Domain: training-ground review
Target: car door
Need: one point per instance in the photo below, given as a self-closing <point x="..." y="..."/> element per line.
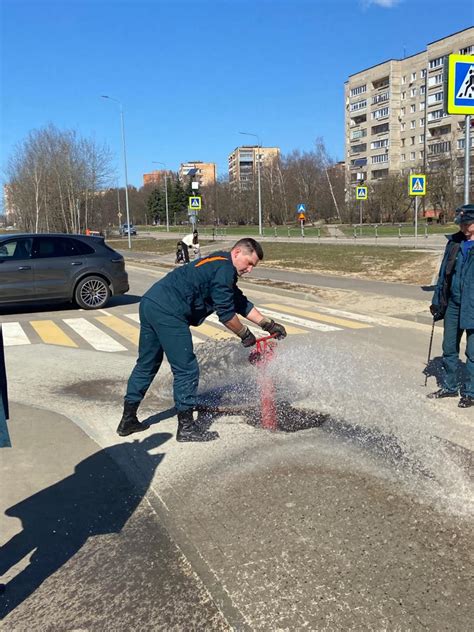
<point x="16" y="270"/>
<point x="55" y="267"/>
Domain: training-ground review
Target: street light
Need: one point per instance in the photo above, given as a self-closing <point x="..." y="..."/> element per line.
<point x="104" y="96"/>
<point x="260" y="230"/>
<point x="156" y="162"/>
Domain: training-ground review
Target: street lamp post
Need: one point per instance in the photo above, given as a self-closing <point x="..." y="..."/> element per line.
<point x="104" y="96"/>
<point x="260" y="229"/>
<point x="156" y="162"/>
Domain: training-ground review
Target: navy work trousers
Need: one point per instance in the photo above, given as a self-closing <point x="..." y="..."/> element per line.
<point x="451" y="346"/>
<point x="161" y="333"/>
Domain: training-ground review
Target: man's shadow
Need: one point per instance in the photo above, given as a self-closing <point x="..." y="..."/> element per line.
<point x="434" y="368"/>
<point x="57" y="521"/>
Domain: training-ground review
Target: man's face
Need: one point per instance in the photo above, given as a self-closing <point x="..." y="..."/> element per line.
<point x="244" y="261"/>
<point x="468" y="230"/>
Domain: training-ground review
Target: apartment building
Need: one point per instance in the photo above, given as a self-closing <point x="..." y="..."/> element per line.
<point x="243" y="164"/>
<point x="157" y="177"/>
<point x="202" y="172"/>
<point x="395" y="120"/>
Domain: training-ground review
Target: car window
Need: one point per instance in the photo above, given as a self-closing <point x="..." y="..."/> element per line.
<point x="16" y="248"/>
<point x="81" y="247"/>
<point x="45" y="247"/>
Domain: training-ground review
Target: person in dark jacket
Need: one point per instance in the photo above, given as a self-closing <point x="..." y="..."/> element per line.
<point x="454" y="301"/>
<point x="185" y="297"/>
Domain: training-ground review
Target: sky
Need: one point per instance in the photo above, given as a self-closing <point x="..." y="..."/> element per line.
<point x="192" y="74"/>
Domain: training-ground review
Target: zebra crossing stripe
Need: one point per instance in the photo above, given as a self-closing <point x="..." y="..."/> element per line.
<point x="303" y="322"/>
<point x="255" y="329"/>
<point x="14" y="335"/>
<point x="93" y="335"/>
<point x="124" y="329"/>
<point x="136" y="318"/>
<point x="52" y="334"/>
<point x="213" y="332"/>
<point x="343" y="322"/>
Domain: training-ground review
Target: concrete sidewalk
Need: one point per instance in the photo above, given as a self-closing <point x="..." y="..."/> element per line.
<point x="101" y="559"/>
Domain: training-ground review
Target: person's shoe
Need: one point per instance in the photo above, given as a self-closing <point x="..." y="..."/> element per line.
<point x="466" y="401"/>
<point x="129" y="422"/>
<point x="189" y="430"/>
<point x="442" y="392"/>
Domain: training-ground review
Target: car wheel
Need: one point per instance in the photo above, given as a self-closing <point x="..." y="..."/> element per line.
<point x="92" y="292"/>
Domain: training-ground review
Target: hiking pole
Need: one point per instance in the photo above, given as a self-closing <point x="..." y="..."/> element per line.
<point x="429" y="351"/>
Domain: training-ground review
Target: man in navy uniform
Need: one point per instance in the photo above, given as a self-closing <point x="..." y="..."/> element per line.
<point x="185" y="297"/>
<point x="454" y="301"/>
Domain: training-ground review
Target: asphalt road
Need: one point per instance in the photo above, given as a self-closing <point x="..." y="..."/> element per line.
<point x="361" y="521"/>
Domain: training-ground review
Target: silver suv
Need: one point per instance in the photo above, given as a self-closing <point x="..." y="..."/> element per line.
<point x="55" y="267"/>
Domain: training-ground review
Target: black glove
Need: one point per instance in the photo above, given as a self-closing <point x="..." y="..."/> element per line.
<point x="247" y="337"/>
<point x="436" y="312"/>
<point x="269" y="325"/>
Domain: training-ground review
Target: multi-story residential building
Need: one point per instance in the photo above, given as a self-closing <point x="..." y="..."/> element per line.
<point x="243" y="164"/>
<point x="157" y="177"/>
<point x="202" y="172"/>
<point x="395" y="119"/>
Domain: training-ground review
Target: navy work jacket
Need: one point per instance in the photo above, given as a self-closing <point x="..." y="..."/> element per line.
<point x="194" y="291"/>
<point x="464" y="283"/>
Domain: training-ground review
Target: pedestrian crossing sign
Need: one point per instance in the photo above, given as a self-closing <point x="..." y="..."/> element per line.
<point x="417" y="183"/>
<point x="301" y="208"/>
<point x="460" y="93"/>
<point x="361" y="193"/>
<point x="195" y="203"/>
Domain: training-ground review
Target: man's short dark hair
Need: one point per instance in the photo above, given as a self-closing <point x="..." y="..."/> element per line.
<point x="249" y="244"/>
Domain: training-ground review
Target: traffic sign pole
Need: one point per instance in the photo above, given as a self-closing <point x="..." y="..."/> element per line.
<point x="416" y="221"/>
<point x="467" y="151"/>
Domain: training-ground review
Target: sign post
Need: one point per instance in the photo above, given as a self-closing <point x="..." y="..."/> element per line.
<point x="301" y="210"/>
<point x="361" y="194"/>
<point x="460" y="100"/>
<point x="194" y="205"/>
<point x="4" y="414"/>
<point x="417" y="187"/>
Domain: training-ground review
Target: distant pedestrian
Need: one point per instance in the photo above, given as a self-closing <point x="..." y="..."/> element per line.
<point x="191" y="242"/>
<point x="454" y="301"/>
<point x="184" y="297"/>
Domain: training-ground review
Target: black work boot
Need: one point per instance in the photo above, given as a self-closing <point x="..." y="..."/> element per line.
<point x="129" y="422"/>
<point x="441" y="393"/>
<point x="466" y="401"/>
<point x="189" y="430"/>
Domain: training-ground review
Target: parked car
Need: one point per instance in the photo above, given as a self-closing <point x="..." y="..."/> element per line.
<point x="124" y="230"/>
<point x="56" y="268"/>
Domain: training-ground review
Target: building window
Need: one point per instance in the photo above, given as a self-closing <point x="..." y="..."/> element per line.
<point x="379" y="158"/>
<point x="379" y="173"/>
<point x="422" y="105"/>
<point x="359" y="90"/>
<point x="422" y="90"/>
<point x="356" y="149"/>
<point x="403" y="157"/>
<point x="436" y="63"/>
<point x="412" y="124"/>
<point x="435" y="80"/>
<point x="440" y="148"/>
<point x="469" y="50"/>
<point x="423" y="73"/>
<point x="412" y="108"/>
<point x="360" y="133"/>
<point x="413" y="92"/>
<point x="404" y="79"/>
<point x="422" y="154"/>
<point x="358" y="105"/>
<point x="402" y="127"/>
<point x="412" y="155"/>
<point x="412" y="140"/>
<point x="435" y="98"/>
<point x="422" y="122"/>
<point x="380" y="129"/>
<point x="381" y="113"/>
<point x="422" y="138"/>
<point x="462" y="142"/>
<point x="402" y="111"/>
<point x="379" y="144"/>
<point x="380" y="98"/>
<point x="413" y="76"/>
<point x="436" y="114"/>
<point x="359" y="162"/>
<point x="403" y="96"/>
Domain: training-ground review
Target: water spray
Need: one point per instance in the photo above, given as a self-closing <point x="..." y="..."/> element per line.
<point x="260" y="357"/>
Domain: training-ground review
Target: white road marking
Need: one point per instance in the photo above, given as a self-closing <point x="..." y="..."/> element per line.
<point x="296" y="320"/>
<point x="93" y="335"/>
<point x="13" y="335"/>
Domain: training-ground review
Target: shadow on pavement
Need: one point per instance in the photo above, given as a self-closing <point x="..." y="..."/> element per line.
<point x="57" y="521"/>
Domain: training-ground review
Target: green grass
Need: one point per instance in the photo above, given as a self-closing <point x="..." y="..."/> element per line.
<point x="371" y="261"/>
<point x="241" y="231"/>
<point x="404" y="230"/>
<point x="156" y="246"/>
